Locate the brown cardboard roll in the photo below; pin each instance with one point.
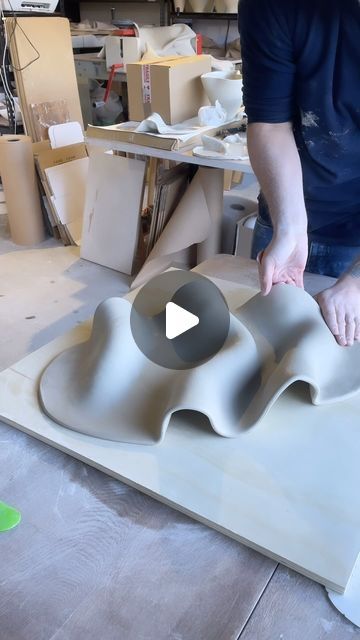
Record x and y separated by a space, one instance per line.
17 172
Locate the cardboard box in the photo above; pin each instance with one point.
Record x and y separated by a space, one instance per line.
125 133
171 87
45 157
121 50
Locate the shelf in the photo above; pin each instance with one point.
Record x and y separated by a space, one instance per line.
5 129
124 1
31 14
71 7
204 16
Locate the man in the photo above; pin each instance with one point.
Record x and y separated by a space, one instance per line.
301 68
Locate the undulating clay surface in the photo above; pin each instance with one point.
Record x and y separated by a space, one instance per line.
107 388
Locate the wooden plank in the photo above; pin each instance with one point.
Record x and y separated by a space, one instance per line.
170 186
94 559
294 608
152 172
238 177
228 179
42 57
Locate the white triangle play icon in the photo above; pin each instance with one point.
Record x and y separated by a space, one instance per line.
178 320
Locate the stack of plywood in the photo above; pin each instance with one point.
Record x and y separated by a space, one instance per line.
42 59
63 176
170 186
114 198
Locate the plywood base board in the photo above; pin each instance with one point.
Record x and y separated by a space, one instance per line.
287 488
348 603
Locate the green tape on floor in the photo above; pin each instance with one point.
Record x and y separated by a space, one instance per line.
9 517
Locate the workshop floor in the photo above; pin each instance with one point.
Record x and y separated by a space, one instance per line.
94 558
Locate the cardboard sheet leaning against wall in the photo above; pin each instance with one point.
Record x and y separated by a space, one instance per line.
67 182
43 62
112 211
170 186
68 226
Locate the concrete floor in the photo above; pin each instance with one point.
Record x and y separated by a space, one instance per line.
45 291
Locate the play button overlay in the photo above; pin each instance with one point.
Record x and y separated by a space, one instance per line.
179 319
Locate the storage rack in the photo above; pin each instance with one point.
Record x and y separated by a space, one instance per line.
182 16
13 126
71 8
10 128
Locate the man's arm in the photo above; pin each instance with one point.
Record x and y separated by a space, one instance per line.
276 163
269 68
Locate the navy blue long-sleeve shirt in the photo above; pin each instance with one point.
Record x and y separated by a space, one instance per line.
301 63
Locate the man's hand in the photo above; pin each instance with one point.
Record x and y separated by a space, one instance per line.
340 306
283 261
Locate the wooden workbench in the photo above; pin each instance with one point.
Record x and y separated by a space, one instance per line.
176 155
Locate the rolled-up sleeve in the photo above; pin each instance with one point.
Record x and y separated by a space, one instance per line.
268 60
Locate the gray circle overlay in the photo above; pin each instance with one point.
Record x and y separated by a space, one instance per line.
192 292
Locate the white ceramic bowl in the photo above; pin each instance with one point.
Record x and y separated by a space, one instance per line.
179 5
225 87
226 6
201 6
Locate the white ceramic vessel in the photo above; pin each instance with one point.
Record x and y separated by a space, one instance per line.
226 6
219 6
201 6
226 87
230 6
179 6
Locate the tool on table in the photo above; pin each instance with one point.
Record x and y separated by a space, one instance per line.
110 79
123 45
199 44
124 27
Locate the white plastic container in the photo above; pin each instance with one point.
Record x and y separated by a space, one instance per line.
201 6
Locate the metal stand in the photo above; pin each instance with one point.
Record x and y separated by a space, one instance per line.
10 128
